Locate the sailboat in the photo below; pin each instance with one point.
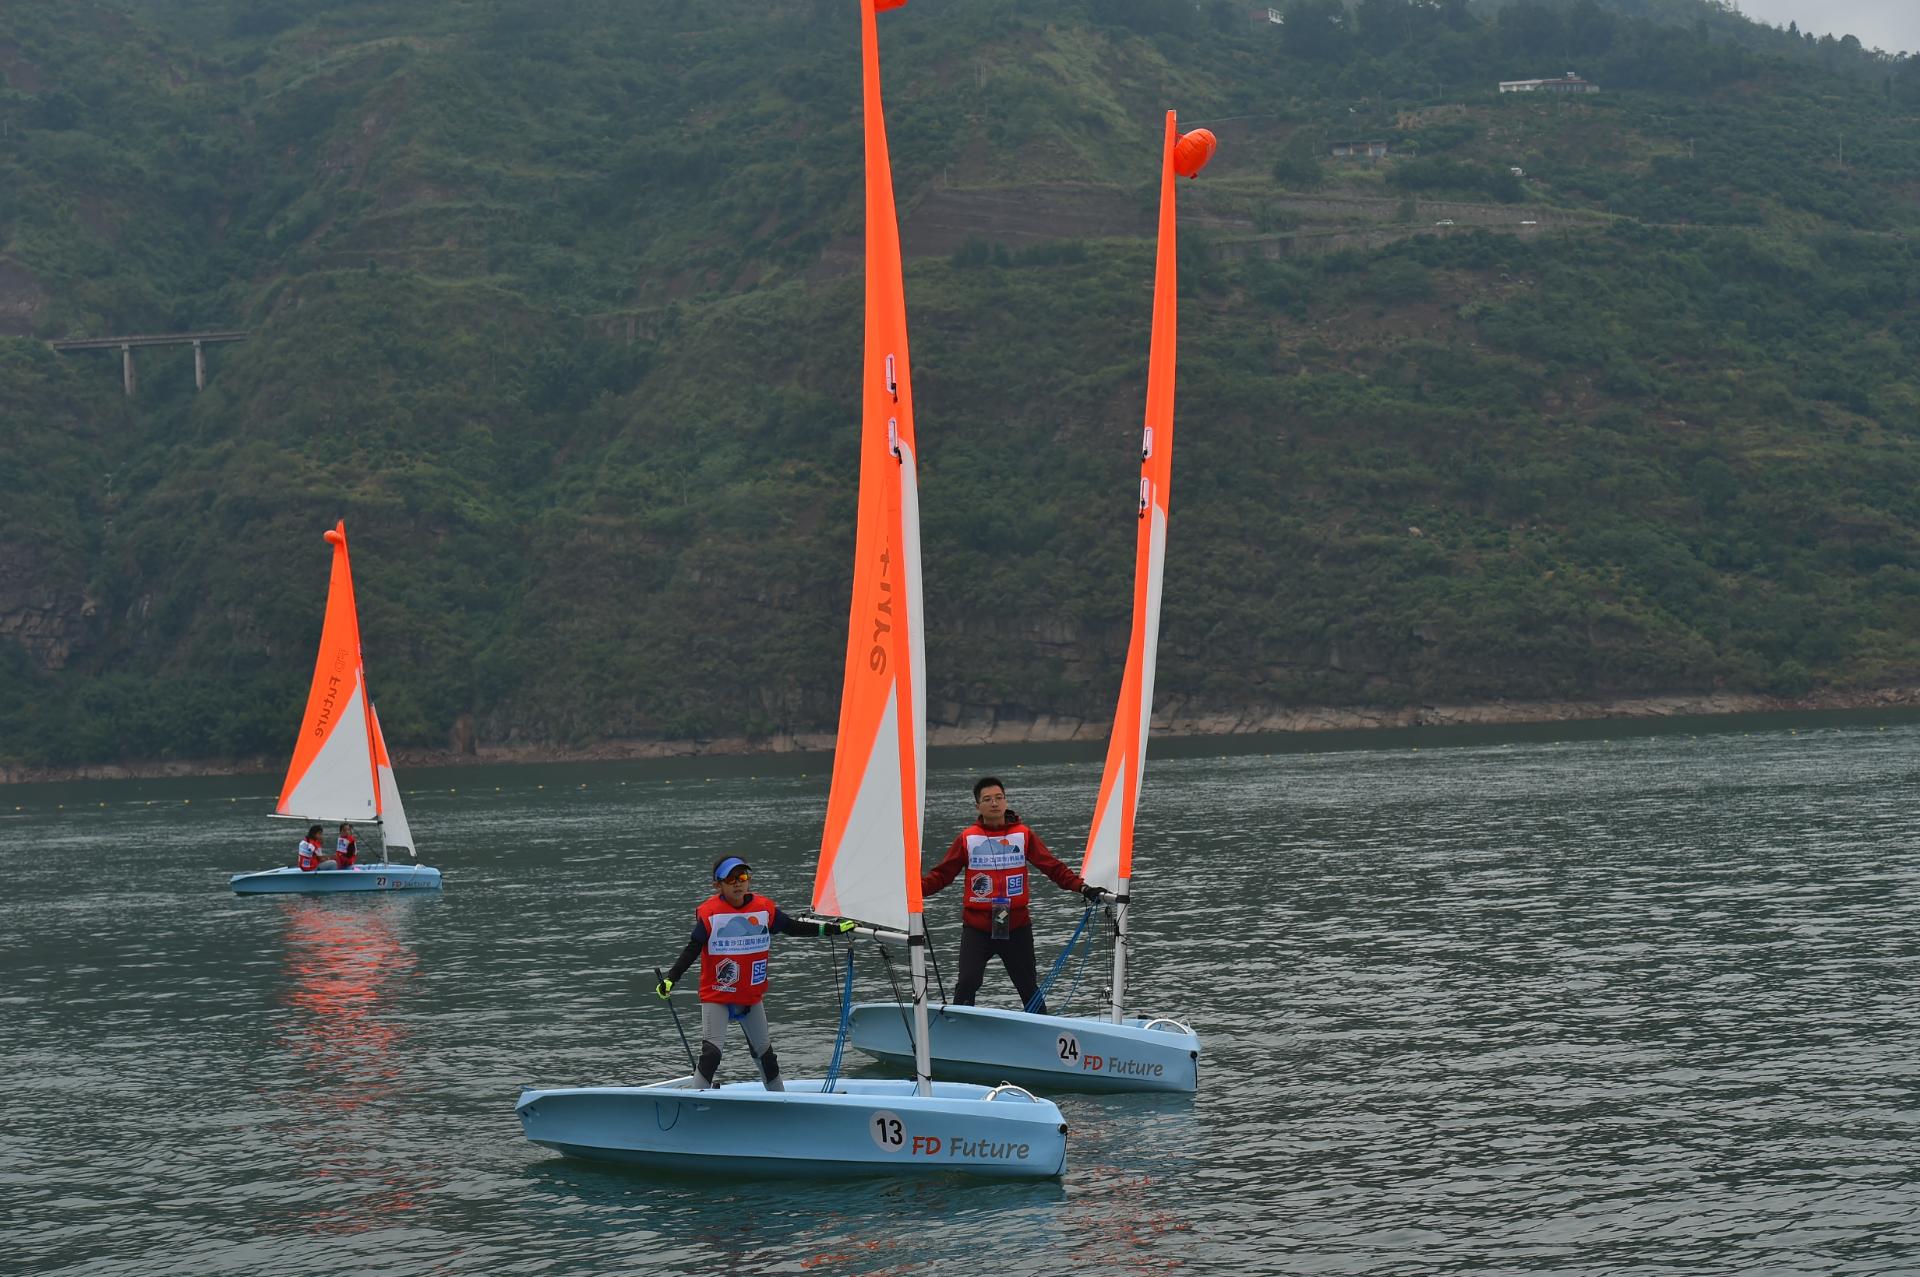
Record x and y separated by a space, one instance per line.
869 865
340 768
1116 1052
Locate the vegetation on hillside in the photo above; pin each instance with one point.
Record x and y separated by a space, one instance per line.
558 307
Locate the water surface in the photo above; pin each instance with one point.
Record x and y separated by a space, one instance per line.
1639 1005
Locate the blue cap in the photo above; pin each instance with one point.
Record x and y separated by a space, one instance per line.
729 867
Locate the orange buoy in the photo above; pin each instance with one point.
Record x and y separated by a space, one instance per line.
1192 151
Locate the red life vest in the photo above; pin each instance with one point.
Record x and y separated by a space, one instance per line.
996 865
733 966
309 855
345 849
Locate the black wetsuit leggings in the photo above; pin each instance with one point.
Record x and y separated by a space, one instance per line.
1015 954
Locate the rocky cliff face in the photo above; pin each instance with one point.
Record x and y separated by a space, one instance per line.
50 618
21 299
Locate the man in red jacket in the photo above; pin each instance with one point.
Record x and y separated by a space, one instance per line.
995 852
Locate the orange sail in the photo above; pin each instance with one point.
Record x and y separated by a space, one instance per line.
1109 859
332 775
870 851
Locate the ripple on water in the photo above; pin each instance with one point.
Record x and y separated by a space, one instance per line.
1632 1006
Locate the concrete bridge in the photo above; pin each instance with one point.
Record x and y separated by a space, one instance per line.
126 344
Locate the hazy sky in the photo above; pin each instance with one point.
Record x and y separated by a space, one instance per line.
1893 25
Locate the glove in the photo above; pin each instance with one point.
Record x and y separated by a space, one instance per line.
663 989
1095 894
838 927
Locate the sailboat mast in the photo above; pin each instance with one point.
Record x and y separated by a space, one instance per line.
922 1049
1109 859
870 849
366 694
888 394
360 665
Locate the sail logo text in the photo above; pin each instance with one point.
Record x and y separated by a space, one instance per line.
883 620
1113 1064
332 696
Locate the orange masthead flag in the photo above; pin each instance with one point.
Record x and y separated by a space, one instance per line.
332 775
870 849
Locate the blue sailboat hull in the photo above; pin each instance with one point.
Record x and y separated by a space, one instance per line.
1052 1051
861 1127
325 881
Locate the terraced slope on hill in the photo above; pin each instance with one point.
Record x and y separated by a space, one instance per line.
558 307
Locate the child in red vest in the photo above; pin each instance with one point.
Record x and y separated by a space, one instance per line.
310 857
732 938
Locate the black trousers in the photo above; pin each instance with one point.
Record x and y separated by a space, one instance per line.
1015 954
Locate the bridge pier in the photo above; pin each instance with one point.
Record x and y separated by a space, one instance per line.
126 369
199 365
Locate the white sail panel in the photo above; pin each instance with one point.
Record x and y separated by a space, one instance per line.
393 817
863 878
338 784
1150 645
1102 864
917 667
394 830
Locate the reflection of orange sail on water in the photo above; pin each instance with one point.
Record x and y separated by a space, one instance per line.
345 964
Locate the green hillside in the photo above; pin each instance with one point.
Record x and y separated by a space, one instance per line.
558 306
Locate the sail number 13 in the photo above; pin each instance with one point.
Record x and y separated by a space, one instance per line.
889 1132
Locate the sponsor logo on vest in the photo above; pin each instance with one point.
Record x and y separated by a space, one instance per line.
1114 1064
996 853
980 886
726 974
741 933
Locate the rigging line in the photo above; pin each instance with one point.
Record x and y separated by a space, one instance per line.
1046 985
933 956
846 1018
1079 968
900 1003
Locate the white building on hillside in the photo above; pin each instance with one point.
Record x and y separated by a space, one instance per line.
1568 83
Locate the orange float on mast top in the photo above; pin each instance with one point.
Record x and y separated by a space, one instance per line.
1192 151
